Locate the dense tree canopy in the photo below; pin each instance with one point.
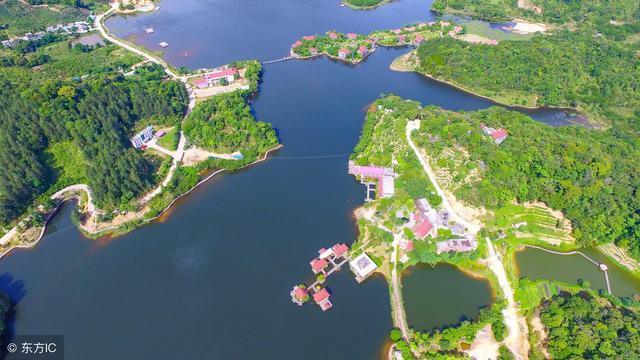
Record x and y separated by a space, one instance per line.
554 11
224 124
566 69
98 115
585 327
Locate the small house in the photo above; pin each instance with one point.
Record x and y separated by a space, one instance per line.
363 51
296 44
142 137
318 265
343 53
352 36
362 266
321 298
340 250
308 37
313 51
333 35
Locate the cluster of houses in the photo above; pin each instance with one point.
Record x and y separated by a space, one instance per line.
498 135
426 221
380 181
343 53
140 139
327 262
217 77
78 27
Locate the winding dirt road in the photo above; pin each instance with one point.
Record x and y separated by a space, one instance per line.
517 340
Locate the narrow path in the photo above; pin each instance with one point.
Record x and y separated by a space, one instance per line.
471 227
517 340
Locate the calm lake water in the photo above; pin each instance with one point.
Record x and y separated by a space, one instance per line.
538 264
213 281
428 290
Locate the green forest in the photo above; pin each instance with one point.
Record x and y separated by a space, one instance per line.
60 124
569 69
552 11
364 3
583 326
225 124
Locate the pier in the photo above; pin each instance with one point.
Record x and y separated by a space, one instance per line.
601 266
328 262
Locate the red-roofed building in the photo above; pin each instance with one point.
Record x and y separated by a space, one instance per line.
363 51
308 37
401 38
321 298
217 76
296 44
499 136
343 53
300 293
340 249
419 38
313 51
423 228
406 245
317 265
396 31
333 35
458 29
201 83
352 36
321 295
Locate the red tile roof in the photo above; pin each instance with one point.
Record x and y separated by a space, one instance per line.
499 134
318 264
352 36
340 249
300 293
363 49
221 74
333 35
421 229
343 51
321 295
296 44
309 37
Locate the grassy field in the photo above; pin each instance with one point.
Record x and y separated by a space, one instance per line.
170 140
535 224
20 18
68 163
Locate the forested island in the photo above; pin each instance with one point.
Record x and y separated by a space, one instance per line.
365 4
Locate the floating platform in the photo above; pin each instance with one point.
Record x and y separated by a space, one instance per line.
164 44
149 30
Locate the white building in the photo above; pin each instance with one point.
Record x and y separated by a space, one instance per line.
142 137
362 266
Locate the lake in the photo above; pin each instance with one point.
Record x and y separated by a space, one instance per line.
213 280
538 264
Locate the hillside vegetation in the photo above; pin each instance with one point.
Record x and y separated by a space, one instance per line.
566 69
552 11
44 123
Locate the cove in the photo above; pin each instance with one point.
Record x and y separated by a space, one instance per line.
213 279
537 264
441 296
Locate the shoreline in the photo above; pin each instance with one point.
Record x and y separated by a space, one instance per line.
395 67
112 231
365 7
